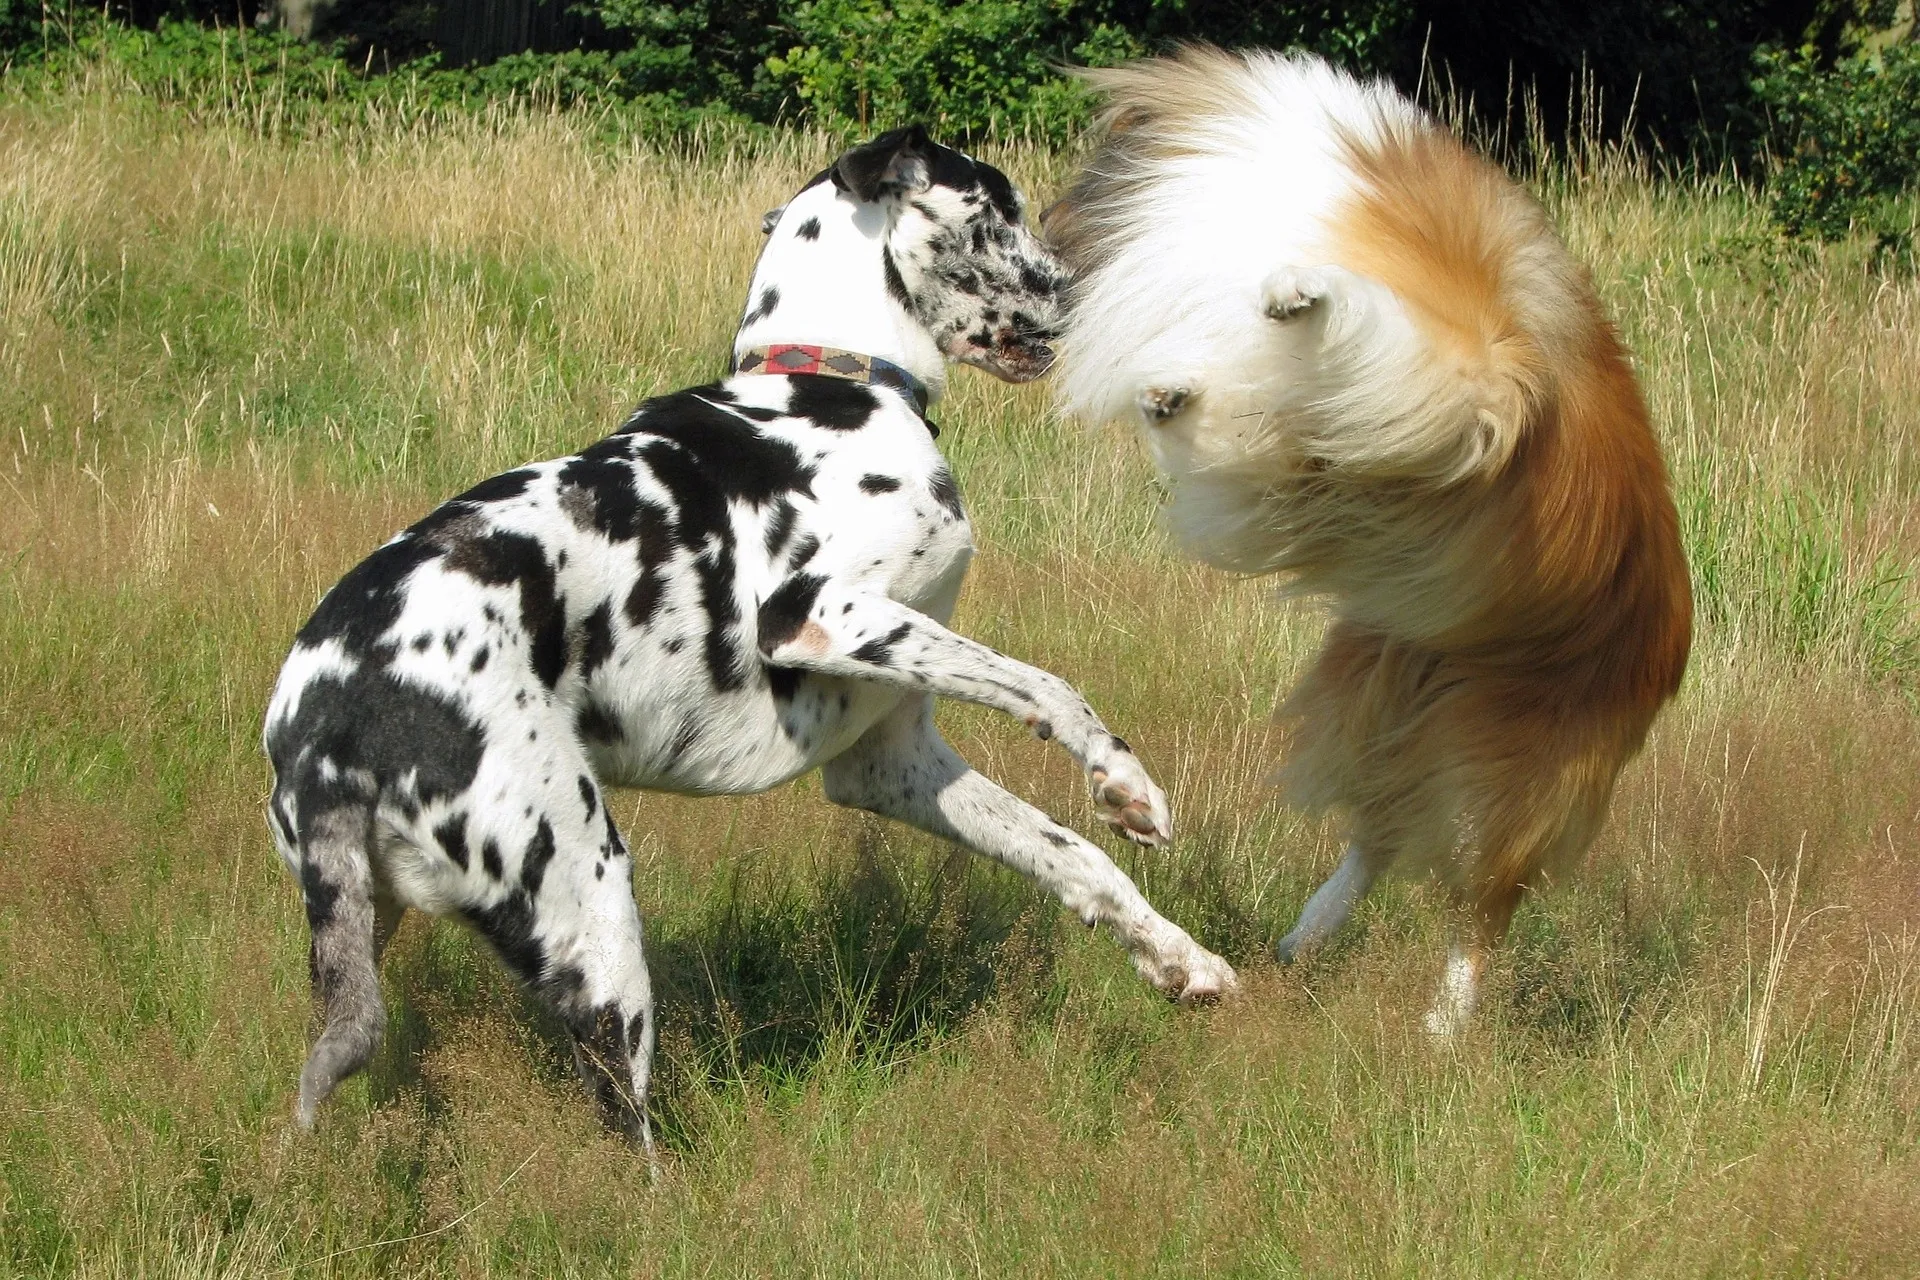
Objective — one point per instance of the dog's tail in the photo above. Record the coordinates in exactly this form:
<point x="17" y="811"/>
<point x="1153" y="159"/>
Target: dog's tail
<point x="336" y="880"/>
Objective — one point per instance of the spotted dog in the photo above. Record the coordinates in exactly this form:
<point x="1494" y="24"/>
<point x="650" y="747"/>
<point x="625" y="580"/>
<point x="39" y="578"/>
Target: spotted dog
<point x="747" y="581"/>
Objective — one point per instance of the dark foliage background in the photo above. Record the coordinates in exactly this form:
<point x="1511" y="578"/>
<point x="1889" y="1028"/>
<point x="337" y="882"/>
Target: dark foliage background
<point x="1820" y="99"/>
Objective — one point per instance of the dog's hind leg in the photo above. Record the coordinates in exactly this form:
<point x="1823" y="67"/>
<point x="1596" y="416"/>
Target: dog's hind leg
<point x="337" y="883"/>
<point x="1330" y="905"/>
<point x="564" y="921"/>
<point x="903" y="769"/>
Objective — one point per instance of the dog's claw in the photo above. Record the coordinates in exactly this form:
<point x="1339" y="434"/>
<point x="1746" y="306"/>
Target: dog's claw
<point x="1291" y="292"/>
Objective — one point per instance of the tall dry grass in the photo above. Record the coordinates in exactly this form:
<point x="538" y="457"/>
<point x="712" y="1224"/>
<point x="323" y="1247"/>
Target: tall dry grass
<point x="231" y="363"/>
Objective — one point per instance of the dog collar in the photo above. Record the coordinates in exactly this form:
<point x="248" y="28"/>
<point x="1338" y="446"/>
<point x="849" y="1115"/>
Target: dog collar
<point x="832" y="362"/>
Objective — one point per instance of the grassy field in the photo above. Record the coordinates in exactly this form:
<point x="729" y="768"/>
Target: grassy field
<point x="230" y="364"/>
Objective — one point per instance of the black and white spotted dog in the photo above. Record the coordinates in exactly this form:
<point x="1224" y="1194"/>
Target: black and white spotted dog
<point x="745" y="582"/>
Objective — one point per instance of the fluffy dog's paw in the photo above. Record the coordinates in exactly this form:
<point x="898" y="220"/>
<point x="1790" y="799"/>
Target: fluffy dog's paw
<point x="1291" y="292"/>
<point x="1127" y="799"/>
<point x="1157" y="404"/>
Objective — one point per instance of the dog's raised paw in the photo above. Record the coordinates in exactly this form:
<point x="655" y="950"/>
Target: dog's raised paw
<point x="1128" y="801"/>
<point x="1158" y="404"/>
<point x="1291" y="292"/>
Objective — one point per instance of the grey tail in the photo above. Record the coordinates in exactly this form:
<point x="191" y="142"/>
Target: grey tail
<point x="336" y="879"/>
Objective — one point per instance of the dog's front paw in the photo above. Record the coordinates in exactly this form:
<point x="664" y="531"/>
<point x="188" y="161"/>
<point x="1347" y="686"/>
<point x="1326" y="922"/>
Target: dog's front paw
<point x="1127" y="799"/>
<point x="1291" y="292"/>
<point x="1183" y="970"/>
<point x="1157" y="404"/>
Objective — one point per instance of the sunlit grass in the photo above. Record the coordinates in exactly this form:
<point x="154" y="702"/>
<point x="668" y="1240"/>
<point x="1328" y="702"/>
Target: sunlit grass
<point x="231" y="364"/>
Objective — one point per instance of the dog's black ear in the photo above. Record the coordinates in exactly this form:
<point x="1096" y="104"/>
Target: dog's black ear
<point x="893" y="163"/>
<point x="771" y="219"/>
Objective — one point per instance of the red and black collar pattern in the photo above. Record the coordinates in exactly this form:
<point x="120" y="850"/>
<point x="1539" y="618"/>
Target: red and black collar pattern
<point x="832" y="362"/>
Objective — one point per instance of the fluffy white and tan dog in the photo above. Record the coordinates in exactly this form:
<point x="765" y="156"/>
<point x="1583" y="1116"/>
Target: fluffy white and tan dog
<point x="1366" y="362"/>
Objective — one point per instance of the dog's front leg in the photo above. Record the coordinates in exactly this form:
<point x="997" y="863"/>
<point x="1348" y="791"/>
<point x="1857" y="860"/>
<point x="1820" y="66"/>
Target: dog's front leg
<point x="902" y="768"/>
<point x="810" y="625"/>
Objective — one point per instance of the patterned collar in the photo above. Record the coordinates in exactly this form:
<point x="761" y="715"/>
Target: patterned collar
<point x="832" y="362"/>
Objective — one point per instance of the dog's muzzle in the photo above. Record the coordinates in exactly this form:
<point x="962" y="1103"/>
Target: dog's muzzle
<point x="1013" y="357"/>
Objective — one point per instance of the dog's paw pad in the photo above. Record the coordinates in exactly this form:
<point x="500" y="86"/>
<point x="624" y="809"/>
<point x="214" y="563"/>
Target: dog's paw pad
<point x="1128" y="801"/>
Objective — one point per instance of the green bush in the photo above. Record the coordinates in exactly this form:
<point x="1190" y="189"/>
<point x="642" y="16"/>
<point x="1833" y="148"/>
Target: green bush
<point x="964" y="69"/>
<point x="1847" y="142"/>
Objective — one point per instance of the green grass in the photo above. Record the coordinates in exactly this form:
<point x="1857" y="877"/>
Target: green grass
<point x="231" y="363"/>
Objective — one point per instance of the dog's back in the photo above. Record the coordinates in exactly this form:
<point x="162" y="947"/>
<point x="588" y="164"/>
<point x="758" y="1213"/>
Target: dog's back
<point x="1367" y="363"/>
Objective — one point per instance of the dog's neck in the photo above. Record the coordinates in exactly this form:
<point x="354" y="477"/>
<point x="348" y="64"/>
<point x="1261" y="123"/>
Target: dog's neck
<point x="830" y="288"/>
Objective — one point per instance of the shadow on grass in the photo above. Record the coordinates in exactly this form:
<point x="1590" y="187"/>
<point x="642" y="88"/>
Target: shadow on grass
<point x="766" y="978"/>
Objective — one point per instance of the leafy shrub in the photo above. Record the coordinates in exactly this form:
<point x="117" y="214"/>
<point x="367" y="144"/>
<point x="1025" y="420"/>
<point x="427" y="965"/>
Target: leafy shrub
<point x="965" y="69"/>
<point x="1847" y="141"/>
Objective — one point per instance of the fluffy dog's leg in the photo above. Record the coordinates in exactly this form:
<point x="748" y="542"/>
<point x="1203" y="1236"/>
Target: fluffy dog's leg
<point x="1329" y="906"/>
<point x="869" y="637"/>
<point x="903" y="769"/>
<point x="337" y="883"/>
<point x="1467" y="960"/>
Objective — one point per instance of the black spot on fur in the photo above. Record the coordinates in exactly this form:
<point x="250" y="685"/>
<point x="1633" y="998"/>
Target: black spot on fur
<point x="599" y="493"/>
<point x="834" y="403"/>
<point x="705" y="456"/>
<point x="946" y="492"/>
<point x="320" y="896"/>
<point x="803" y="551"/>
<point x="596" y="638"/>
<point x="1057" y="839"/>
<point x="780" y="527"/>
<point x="808" y="230"/>
<point x="879" y="651"/>
<point x="503" y="559"/>
<point x="896" y="283"/>
<point x="769" y="299"/>
<point x="508" y="484"/>
<point x="726" y="666"/>
<point x="376" y="733"/>
<point x="588" y="796"/>
<point x="783" y="612"/>
<point x="593" y="723"/>
<point x="452" y="835"/>
<point x="644" y="599"/>
<point x="508" y="925"/>
<point x="877" y="484"/>
<point x="366" y="604"/>
<point x="533" y="863"/>
<point x="490" y="858"/>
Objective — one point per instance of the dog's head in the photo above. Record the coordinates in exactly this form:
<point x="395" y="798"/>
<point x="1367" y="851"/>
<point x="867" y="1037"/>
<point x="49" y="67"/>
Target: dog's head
<point x="956" y="252"/>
